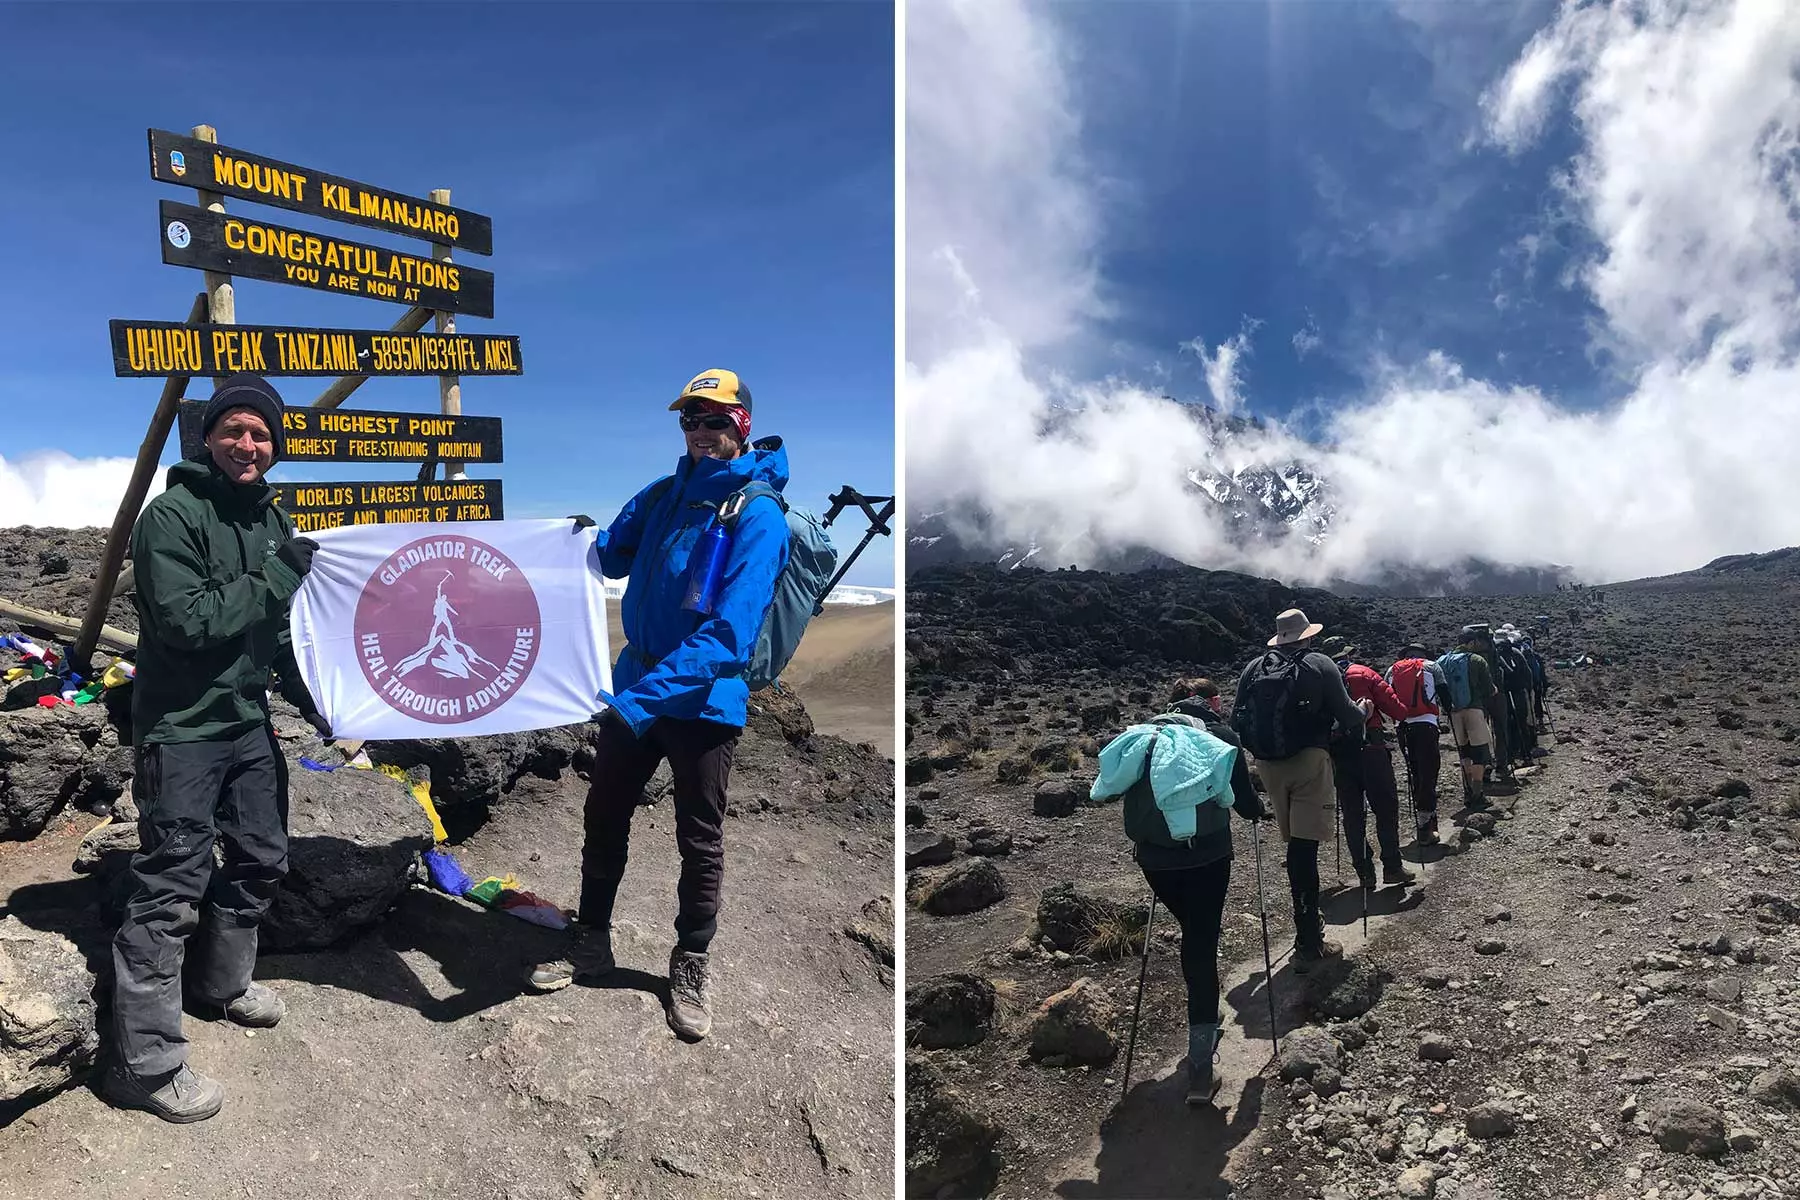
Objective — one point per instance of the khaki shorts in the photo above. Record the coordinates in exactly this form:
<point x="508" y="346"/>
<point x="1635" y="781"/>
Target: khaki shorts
<point x="1469" y="726"/>
<point x="1300" y="791"/>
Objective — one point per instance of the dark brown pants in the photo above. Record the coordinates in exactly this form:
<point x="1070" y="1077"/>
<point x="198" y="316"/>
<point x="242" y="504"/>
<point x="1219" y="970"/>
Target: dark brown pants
<point x="699" y="755"/>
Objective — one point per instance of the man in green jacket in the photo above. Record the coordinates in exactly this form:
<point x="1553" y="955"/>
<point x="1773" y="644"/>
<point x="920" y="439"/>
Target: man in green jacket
<point x="217" y="564"/>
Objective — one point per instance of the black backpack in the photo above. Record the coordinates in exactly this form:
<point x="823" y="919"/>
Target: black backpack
<point x="1144" y="821"/>
<point x="1272" y="713"/>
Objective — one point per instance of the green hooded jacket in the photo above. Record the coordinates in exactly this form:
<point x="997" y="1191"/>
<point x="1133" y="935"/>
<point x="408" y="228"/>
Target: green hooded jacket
<point x="212" y="605"/>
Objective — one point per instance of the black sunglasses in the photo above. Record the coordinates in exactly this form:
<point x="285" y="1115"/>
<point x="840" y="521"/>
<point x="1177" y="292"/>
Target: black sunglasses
<point x="717" y="422"/>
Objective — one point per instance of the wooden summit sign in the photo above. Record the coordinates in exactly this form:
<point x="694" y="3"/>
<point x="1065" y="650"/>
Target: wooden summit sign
<point x="352" y="435"/>
<point x="190" y="162"/>
<point x="233" y="245"/>
<point x="171" y="348"/>
<point x="329" y="505"/>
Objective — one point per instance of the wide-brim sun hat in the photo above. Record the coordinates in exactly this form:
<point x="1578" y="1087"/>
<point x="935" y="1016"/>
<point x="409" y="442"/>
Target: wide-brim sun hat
<point x="1292" y="626"/>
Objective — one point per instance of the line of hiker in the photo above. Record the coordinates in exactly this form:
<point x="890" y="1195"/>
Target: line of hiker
<point x="1309" y="726"/>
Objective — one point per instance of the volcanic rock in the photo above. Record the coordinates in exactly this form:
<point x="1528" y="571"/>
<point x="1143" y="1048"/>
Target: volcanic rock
<point x="1307" y="1050"/>
<point x="1345" y="987"/>
<point x="949" y="1011"/>
<point x="1058" y="797"/>
<point x="950" y="1144"/>
<point x="1075" y="1024"/>
<point x="929" y="850"/>
<point x="352" y="839"/>
<point x="966" y="887"/>
<point x="1689" y="1127"/>
<point x="47" y="1015"/>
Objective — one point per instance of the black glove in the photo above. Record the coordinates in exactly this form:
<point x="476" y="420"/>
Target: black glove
<point x="582" y="521"/>
<point x="317" y="721"/>
<point x="611" y="720"/>
<point x="297" y="553"/>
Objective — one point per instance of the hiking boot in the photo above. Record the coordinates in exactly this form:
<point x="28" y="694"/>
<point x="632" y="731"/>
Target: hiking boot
<point x="182" y="1096"/>
<point x="1310" y="952"/>
<point x="259" y="1008"/>
<point x="1396" y="875"/>
<point x="690" y="994"/>
<point x="1428" y="832"/>
<point x="590" y="957"/>
<point x="1203" y="1083"/>
<point x="1365" y="872"/>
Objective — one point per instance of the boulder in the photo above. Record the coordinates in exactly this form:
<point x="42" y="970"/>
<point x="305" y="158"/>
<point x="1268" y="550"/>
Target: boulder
<point x="1058" y="797"/>
<point x="48" y="1036"/>
<point x="107" y="849"/>
<point x="950" y="1144"/>
<point x="965" y="888"/>
<point x="1075" y="1025"/>
<point x="1777" y="1088"/>
<point x="479" y="771"/>
<point x="990" y="843"/>
<point x="45" y="754"/>
<point x="777" y="712"/>
<point x="1308" y="1050"/>
<point x="949" y="1011"/>
<point x="353" y="837"/>
<point x="1491" y="1120"/>
<point x="1689" y="1127"/>
<point x="1345" y="987"/>
<point x="1081" y="924"/>
<point x="929" y="850"/>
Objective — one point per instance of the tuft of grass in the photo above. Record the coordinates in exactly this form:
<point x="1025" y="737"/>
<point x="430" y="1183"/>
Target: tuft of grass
<point x="1114" y="936"/>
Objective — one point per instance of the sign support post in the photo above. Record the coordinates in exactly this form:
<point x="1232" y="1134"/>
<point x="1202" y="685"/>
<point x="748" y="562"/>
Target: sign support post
<point x="413" y="321"/>
<point x="222" y="297"/>
<point x="449" y="386"/>
<point x="133" y="501"/>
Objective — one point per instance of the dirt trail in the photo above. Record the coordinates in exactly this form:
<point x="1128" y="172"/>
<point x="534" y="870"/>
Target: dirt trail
<point x="412" y="1063"/>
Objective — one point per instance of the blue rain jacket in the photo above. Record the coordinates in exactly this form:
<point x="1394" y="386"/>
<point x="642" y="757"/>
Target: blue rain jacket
<point x="1191" y="767"/>
<point x="677" y="663"/>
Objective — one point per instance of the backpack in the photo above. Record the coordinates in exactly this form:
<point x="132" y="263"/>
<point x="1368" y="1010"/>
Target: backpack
<point x="1510" y="665"/>
<point x="1456" y="673"/>
<point x="1144" y="821"/>
<point x="799" y="589"/>
<point x="1271" y="716"/>
<point x="1408" y="683"/>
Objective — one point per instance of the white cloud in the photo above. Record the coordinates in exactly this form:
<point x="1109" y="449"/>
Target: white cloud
<point x="51" y="488"/>
<point x="1307" y="339"/>
<point x="1688" y="179"/>
<point x="1223" y="366"/>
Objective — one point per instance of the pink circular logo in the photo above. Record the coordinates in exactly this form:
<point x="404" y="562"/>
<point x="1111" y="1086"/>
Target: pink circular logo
<point x="447" y="629"/>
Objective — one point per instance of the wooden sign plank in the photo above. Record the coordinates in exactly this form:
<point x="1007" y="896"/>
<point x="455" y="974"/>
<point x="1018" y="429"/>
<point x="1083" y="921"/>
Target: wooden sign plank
<point x="329" y="505"/>
<point x="352" y="435"/>
<point x="234" y="245"/>
<point x="149" y="348"/>
<point x="189" y="162"/>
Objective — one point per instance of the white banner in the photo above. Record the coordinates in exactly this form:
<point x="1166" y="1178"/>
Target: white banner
<point x="453" y="629"/>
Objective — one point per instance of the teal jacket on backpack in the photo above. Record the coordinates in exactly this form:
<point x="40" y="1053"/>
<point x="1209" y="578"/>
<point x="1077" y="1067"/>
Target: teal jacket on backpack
<point x="677" y="663"/>
<point x="1187" y="768"/>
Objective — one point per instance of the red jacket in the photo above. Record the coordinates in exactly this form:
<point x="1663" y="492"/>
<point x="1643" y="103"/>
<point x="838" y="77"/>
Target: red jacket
<point x="1365" y="683"/>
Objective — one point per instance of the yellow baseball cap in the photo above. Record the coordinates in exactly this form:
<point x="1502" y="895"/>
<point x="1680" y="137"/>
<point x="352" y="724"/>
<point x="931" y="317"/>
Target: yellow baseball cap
<point x="721" y="387"/>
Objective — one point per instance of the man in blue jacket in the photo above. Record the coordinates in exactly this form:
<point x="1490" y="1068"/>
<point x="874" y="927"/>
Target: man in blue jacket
<point x="680" y="692"/>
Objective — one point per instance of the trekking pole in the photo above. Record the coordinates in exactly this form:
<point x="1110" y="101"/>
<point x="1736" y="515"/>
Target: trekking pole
<point x="1143" y="969"/>
<point x="1262" y="906"/>
<point x="878" y="524"/>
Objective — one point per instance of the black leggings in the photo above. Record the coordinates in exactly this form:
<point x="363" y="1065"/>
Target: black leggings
<point x="1195" y="896"/>
<point x="1303" y="866"/>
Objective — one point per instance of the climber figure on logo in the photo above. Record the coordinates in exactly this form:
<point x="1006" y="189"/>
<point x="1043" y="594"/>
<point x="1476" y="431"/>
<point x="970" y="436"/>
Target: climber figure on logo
<point x="458" y="659"/>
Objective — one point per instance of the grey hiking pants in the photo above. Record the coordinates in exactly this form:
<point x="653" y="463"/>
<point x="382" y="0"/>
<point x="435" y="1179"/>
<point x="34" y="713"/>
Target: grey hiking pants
<point x="189" y="795"/>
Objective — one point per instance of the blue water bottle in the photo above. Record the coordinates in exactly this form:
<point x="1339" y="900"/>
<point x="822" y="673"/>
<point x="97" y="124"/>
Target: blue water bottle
<point x="705" y="569"/>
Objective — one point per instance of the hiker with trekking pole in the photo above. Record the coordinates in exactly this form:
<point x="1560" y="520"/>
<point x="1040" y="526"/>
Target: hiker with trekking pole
<point x="1364" y="775"/>
<point x="1288" y="700"/>
<point x="1420" y="684"/>
<point x="1469" y="685"/>
<point x="1178" y="775"/>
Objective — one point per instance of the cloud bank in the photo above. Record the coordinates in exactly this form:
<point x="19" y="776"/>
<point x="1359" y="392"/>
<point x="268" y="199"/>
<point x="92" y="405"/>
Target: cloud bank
<point x="56" y="489"/>
<point x="1687" y="178"/>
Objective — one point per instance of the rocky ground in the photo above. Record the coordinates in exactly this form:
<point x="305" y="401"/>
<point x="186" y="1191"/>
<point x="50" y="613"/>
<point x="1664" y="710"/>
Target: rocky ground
<point x="1594" y="993"/>
<point x="412" y="1061"/>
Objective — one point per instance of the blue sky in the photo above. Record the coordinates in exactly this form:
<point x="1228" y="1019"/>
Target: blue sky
<point x="1309" y="167"/>
<point x="1515" y="281"/>
<point x="674" y="187"/>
